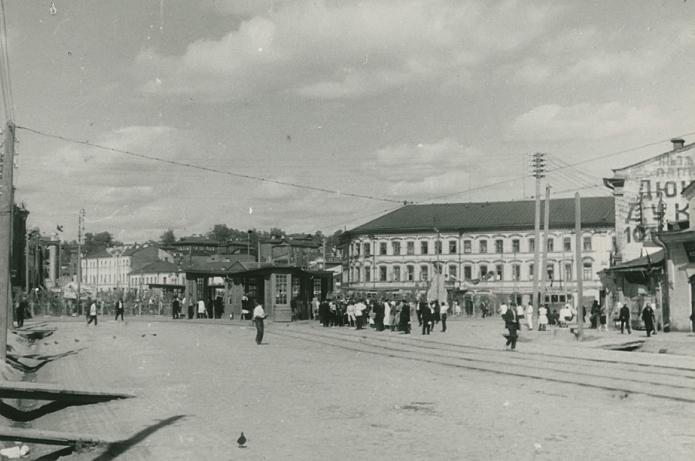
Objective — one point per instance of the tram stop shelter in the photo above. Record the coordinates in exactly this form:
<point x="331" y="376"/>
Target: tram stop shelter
<point x="284" y="290"/>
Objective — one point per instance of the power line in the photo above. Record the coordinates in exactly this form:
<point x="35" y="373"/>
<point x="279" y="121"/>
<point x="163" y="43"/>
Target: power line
<point x="581" y="162"/>
<point x="209" y="169"/>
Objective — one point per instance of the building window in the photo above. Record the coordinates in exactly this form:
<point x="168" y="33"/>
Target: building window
<point x="382" y="248"/>
<point x="531" y="245"/>
<point x="367" y="274"/>
<point x="567" y="244"/>
<point x="411" y="273"/>
<point x="499" y="246"/>
<point x="467" y="272"/>
<point x="452" y="271"/>
<point x="551" y="244"/>
<point x="396" y="246"/>
<point x="483" y="246"/>
<point x="357" y="249"/>
<point x="588" y="271"/>
<point x="467" y="247"/>
<point x="438" y="247"/>
<point x="586" y="244"/>
<point x="367" y="250"/>
<point x="530" y="271"/>
<point x="382" y="273"/>
<point x="452" y="247"/>
<point x="568" y="272"/>
<point x="483" y="270"/>
<point x="424" y="273"/>
<point x="424" y="248"/>
<point x="516" y="272"/>
<point x="499" y="269"/>
<point x="516" y="246"/>
<point x="281" y="288"/>
<point x="550" y="270"/>
<point x="396" y="273"/>
<point x="410" y="248"/>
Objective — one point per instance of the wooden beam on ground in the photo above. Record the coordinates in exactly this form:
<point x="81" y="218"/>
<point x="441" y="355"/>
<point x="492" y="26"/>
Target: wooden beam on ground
<point x="27" y="435"/>
<point x="41" y="391"/>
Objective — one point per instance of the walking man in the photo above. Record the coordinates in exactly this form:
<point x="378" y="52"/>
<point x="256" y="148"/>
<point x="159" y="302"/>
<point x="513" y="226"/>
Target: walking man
<point x="625" y="319"/>
<point x="92" y="313"/>
<point x="426" y="314"/>
<point x="511" y="324"/>
<point x="119" y="308"/>
<point x="648" y="319"/>
<point x="22" y="308"/>
<point x="258" y="317"/>
<point x="443" y="309"/>
<point x="529" y="316"/>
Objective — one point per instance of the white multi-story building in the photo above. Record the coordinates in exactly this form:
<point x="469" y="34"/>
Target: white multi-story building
<point x="109" y="269"/>
<point x="480" y="247"/>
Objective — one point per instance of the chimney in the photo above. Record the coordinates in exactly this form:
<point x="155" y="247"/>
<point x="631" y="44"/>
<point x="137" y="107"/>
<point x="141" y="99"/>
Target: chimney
<point x="678" y="143"/>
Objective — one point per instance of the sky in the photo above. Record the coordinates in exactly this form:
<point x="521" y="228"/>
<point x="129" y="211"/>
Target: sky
<point x="396" y="100"/>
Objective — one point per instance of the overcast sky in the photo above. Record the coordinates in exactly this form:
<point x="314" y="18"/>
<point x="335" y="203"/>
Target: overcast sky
<point x="396" y="99"/>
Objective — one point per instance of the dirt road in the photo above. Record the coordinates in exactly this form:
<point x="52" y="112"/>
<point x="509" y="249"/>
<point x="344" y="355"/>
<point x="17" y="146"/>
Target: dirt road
<point x="329" y="393"/>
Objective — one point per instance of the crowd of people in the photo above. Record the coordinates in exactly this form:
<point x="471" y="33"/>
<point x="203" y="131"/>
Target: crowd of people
<point x="395" y="315"/>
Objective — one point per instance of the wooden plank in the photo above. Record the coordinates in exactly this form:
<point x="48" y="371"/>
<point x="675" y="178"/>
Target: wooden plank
<point x="43" y="391"/>
<point x="44" y="437"/>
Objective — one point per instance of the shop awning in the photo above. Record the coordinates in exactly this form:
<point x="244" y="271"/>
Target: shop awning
<point x="644" y="263"/>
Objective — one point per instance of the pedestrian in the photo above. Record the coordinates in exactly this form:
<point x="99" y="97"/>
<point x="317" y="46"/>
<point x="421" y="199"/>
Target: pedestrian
<point x="394" y="314"/>
<point x="436" y="313"/>
<point x="22" y="309"/>
<point x="443" y="309"/>
<point x="258" y="317"/>
<point x="624" y="316"/>
<point x="201" y="309"/>
<point x="174" y="308"/>
<point x="119" y="308"/>
<point x="529" y="316"/>
<point x="603" y="319"/>
<point x="511" y="323"/>
<point x="360" y="307"/>
<point x="543" y="317"/>
<point x="92" y="313"/>
<point x="595" y="314"/>
<point x="351" y="312"/>
<point x="457" y="309"/>
<point x="404" y="318"/>
<point x="520" y="312"/>
<point x="324" y="312"/>
<point x="426" y="314"/>
<point x="648" y="319"/>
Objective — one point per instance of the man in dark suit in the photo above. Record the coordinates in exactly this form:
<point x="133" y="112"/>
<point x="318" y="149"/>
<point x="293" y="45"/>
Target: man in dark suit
<point x="426" y="316"/>
<point x="510" y="322"/>
<point x="648" y="318"/>
<point x="625" y="319"/>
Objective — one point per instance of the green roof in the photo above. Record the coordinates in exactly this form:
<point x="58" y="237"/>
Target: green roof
<point x="489" y="216"/>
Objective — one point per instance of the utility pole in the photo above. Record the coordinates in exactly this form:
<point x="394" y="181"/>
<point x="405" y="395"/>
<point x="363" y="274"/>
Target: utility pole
<point x="538" y="170"/>
<point x="6" y="228"/>
<point x="578" y="257"/>
<point x="544" y="260"/>
<point x="80" y="236"/>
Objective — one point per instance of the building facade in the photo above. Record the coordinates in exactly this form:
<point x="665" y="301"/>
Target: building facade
<point x="480" y="247"/>
<point x="648" y="198"/>
<point x="109" y="269"/>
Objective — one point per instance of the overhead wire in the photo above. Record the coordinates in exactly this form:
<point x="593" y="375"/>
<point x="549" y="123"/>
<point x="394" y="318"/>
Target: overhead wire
<point x="208" y="169"/>
<point x="580" y="162"/>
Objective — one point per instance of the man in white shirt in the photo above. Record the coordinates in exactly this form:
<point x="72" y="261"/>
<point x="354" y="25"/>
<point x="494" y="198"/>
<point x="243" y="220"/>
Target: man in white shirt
<point x="529" y="316"/>
<point x="258" y="316"/>
<point x="359" y="310"/>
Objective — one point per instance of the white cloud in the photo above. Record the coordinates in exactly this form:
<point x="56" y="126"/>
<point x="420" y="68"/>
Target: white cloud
<point x="585" y="121"/>
<point x="322" y="49"/>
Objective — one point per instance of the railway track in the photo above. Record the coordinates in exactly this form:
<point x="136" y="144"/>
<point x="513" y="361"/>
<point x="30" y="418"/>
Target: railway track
<point x="675" y="383"/>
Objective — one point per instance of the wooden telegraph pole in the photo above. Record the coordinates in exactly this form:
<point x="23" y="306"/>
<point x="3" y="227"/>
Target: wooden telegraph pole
<point x="80" y="236"/>
<point x="578" y="262"/>
<point x="544" y="259"/>
<point x="538" y="168"/>
<point x="6" y="228"/>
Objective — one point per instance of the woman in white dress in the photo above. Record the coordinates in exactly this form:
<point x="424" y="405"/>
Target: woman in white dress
<point x="542" y="318"/>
